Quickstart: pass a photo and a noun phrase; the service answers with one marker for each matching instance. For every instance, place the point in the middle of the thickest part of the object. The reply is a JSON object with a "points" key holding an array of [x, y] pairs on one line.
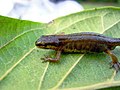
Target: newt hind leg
{"points": [[114, 64]]}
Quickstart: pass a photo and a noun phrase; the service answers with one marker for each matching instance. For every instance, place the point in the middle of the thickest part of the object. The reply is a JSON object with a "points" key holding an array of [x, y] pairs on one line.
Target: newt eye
{"points": [[36, 43], [39, 43]]}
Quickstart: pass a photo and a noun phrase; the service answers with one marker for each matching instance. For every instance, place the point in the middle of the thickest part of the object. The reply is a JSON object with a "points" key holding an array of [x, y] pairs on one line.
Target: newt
{"points": [[84, 42]]}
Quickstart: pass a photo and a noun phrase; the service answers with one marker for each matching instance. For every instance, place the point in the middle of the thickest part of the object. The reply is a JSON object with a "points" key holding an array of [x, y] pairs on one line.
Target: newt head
{"points": [[47, 42]]}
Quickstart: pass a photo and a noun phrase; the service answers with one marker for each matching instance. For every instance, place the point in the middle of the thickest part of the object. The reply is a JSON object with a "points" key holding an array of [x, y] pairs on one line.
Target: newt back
{"points": [[78, 42]]}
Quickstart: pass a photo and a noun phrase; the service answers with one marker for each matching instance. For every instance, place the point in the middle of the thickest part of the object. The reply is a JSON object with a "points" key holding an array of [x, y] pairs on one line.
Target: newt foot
{"points": [[116, 66], [45, 58], [48, 59]]}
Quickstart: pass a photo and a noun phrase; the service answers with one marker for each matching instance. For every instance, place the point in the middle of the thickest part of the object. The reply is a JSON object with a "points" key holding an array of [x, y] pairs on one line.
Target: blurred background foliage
{"points": [[115, 1], [98, 3]]}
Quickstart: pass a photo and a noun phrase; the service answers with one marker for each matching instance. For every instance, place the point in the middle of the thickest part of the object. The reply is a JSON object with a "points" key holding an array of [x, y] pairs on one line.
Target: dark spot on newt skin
{"points": [[85, 42]]}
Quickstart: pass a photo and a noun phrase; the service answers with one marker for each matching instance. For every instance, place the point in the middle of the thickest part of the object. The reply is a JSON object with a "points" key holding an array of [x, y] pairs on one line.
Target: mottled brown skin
{"points": [[85, 42]]}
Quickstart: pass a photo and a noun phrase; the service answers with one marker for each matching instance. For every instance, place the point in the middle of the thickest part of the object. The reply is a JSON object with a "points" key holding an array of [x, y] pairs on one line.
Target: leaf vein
{"points": [[112, 25], [96, 86], [64, 77], [42, 77], [74, 23], [9, 70], [102, 22]]}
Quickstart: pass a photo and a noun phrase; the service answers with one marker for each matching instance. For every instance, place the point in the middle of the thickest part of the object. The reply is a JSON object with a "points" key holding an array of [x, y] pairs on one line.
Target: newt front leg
{"points": [[48, 58], [115, 64]]}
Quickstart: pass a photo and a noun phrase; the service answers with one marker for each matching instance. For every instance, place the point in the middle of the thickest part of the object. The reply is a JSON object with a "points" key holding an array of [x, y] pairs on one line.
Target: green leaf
{"points": [[20, 63]]}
